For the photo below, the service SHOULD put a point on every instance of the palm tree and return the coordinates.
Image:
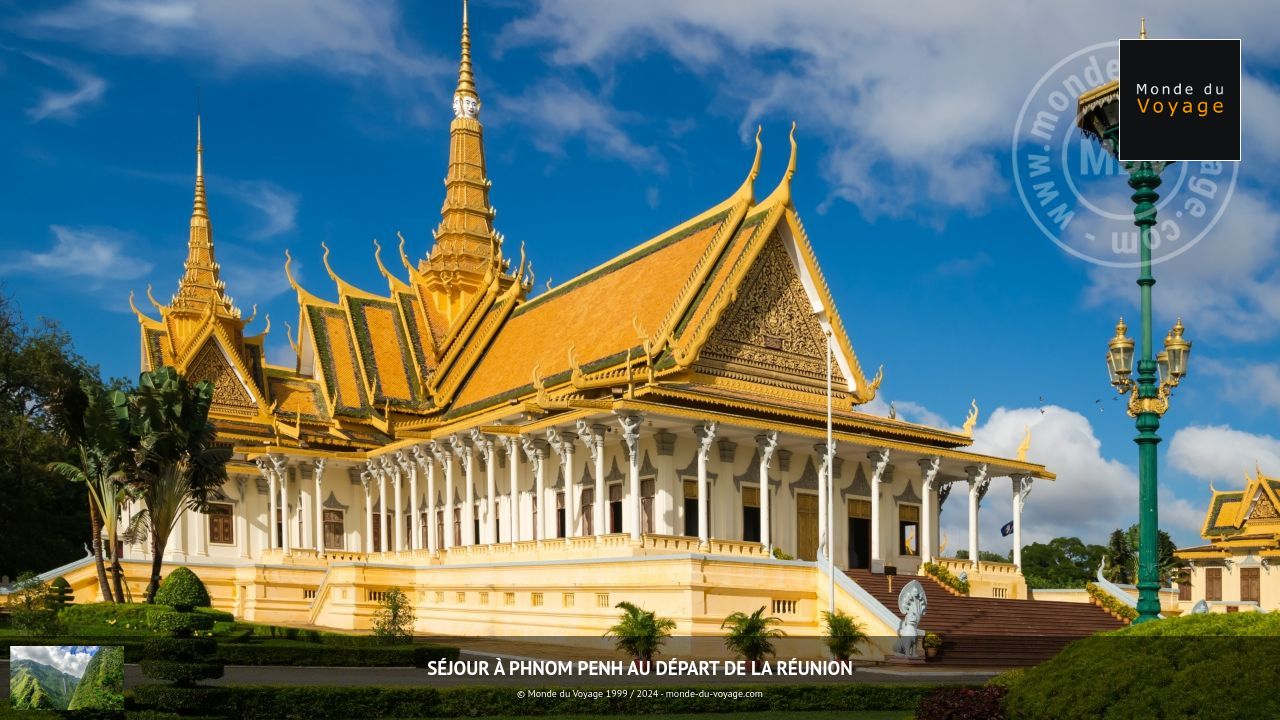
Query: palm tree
(174, 464)
(751, 635)
(640, 633)
(85, 417)
(844, 635)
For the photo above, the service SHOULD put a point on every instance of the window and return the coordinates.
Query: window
(615, 508)
(566, 600)
(909, 530)
(377, 532)
(484, 598)
(509, 598)
(588, 511)
(440, 529)
(646, 505)
(691, 508)
(535, 599)
(751, 514)
(460, 598)
(1184, 590)
(602, 600)
(457, 526)
(334, 531)
(1249, 584)
(1213, 583)
(560, 529)
(220, 524)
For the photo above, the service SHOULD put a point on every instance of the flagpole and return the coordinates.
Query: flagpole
(830, 499)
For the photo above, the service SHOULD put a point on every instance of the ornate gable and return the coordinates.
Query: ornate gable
(770, 331)
(211, 363)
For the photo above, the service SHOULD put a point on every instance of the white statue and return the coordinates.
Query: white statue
(1200, 608)
(912, 604)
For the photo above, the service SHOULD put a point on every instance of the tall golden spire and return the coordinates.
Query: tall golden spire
(201, 287)
(1142, 28)
(467, 249)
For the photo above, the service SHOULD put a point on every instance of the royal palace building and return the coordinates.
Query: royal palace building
(655, 430)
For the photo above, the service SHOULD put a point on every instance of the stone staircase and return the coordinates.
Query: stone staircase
(990, 632)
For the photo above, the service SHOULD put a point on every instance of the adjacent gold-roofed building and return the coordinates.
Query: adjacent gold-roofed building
(1232, 571)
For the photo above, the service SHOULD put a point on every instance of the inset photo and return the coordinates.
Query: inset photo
(66, 677)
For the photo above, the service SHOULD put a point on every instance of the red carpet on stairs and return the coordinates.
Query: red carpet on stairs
(990, 632)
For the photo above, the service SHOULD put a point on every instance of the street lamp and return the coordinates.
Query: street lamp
(1098, 117)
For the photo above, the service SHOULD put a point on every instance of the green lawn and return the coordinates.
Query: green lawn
(823, 715)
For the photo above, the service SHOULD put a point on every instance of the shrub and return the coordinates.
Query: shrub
(751, 636)
(31, 607)
(844, 635)
(944, 576)
(180, 624)
(109, 618)
(393, 621)
(962, 703)
(932, 641)
(781, 554)
(1109, 602)
(183, 590)
(183, 660)
(60, 593)
(640, 633)
(1176, 667)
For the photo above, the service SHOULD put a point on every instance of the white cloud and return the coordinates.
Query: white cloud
(96, 253)
(359, 39)
(916, 107)
(254, 277)
(559, 112)
(70, 659)
(66, 105)
(1228, 286)
(1222, 454)
(279, 207)
(1248, 384)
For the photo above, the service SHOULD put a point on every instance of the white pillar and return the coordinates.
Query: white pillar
(562, 443)
(485, 446)
(879, 461)
(1021, 488)
(631, 436)
(824, 464)
(767, 443)
(242, 518)
(264, 466)
(512, 447)
(383, 534)
(536, 451)
(433, 538)
(928, 509)
(463, 449)
(978, 482)
(412, 465)
(319, 509)
(705, 434)
(593, 439)
(366, 480)
(392, 467)
(281, 465)
(448, 496)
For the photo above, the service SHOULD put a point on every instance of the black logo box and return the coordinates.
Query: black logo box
(1187, 69)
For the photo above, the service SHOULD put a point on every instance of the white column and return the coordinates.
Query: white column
(413, 463)
(433, 539)
(536, 451)
(318, 501)
(281, 465)
(463, 449)
(631, 436)
(1021, 488)
(202, 540)
(449, 470)
(512, 447)
(824, 464)
(485, 446)
(383, 531)
(928, 478)
(593, 439)
(242, 518)
(264, 466)
(391, 467)
(705, 434)
(978, 482)
(879, 461)
(767, 443)
(366, 480)
(562, 443)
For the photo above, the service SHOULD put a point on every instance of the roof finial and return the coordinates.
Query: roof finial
(466, 101)
(200, 209)
(1142, 26)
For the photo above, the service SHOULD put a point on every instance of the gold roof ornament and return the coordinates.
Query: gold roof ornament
(971, 420)
(201, 286)
(1142, 27)
(1025, 445)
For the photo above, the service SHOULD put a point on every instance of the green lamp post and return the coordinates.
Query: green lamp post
(1098, 117)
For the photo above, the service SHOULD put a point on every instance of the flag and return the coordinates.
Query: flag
(1007, 529)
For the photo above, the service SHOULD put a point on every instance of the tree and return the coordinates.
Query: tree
(1121, 558)
(986, 556)
(393, 621)
(183, 590)
(1166, 563)
(751, 636)
(88, 422)
(640, 633)
(43, 517)
(844, 635)
(174, 463)
(32, 606)
(1064, 562)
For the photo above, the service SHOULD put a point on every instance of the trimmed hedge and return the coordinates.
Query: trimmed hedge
(944, 576)
(1108, 602)
(1220, 664)
(180, 623)
(261, 701)
(183, 590)
(331, 655)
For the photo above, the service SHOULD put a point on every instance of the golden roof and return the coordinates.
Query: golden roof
(1245, 518)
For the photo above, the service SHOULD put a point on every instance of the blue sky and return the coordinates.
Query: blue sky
(608, 122)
